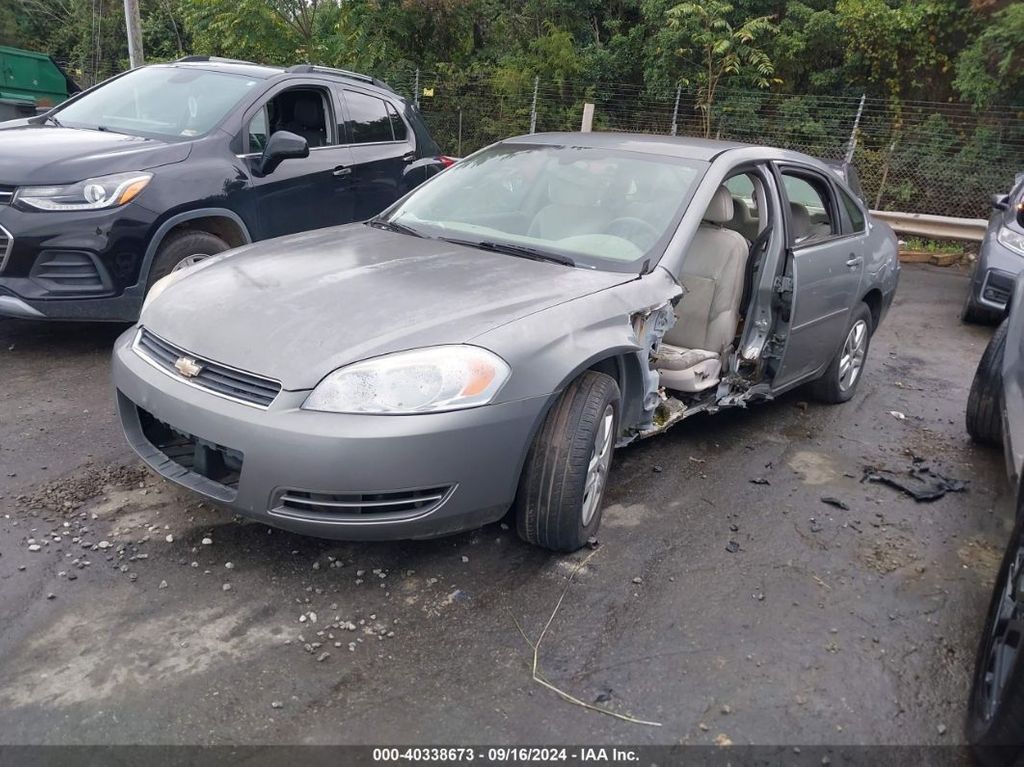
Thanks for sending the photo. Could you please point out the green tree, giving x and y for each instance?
(991, 68)
(718, 50)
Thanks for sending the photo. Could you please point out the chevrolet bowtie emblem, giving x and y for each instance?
(188, 367)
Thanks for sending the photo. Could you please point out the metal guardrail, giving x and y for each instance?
(934, 227)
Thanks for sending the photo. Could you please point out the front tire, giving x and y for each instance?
(839, 382)
(985, 402)
(972, 314)
(558, 505)
(995, 712)
(181, 250)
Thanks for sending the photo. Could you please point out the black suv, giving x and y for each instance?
(170, 163)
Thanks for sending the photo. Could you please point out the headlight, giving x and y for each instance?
(91, 194)
(421, 381)
(1011, 239)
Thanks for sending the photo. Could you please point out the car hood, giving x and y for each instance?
(38, 154)
(298, 307)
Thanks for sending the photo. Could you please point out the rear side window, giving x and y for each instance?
(397, 126)
(368, 119)
(853, 211)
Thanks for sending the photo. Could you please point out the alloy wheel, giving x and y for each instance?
(188, 261)
(597, 469)
(1002, 645)
(854, 352)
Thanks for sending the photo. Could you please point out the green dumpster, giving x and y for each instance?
(30, 82)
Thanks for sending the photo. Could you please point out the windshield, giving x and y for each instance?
(602, 209)
(161, 102)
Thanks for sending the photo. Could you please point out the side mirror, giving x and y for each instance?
(282, 145)
(1000, 201)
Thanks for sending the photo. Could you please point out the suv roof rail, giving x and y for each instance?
(316, 69)
(221, 59)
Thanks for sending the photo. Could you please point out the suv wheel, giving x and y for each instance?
(995, 713)
(558, 505)
(181, 250)
(840, 379)
(985, 402)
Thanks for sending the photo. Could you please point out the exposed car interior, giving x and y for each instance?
(302, 111)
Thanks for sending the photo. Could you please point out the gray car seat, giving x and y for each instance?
(690, 356)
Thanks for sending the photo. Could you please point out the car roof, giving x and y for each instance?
(681, 147)
(267, 71)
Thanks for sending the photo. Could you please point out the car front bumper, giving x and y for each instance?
(992, 281)
(72, 264)
(471, 458)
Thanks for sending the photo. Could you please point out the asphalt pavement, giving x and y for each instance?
(726, 601)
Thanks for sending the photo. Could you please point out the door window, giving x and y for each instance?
(812, 217)
(853, 211)
(368, 119)
(302, 111)
(397, 125)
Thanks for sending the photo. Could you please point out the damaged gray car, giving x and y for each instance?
(485, 344)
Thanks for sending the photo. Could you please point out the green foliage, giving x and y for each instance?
(991, 69)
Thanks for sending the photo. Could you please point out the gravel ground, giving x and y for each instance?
(724, 609)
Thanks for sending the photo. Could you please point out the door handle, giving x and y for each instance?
(854, 261)
(341, 171)
(409, 157)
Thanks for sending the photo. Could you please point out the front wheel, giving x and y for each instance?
(182, 250)
(558, 505)
(840, 379)
(995, 714)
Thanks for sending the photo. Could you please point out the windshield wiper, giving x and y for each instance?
(392, 226)
(520, 251)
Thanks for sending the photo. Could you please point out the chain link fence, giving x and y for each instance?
(921, 157)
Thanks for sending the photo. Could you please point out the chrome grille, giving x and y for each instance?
(213, 377)
(6, 246)
(360, 507)
(6, 194)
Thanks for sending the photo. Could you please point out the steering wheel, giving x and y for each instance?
(634, 229)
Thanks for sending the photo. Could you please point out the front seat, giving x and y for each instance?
(572, 209)
(690, 356)
(307, 119)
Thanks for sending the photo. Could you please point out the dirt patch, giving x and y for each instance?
(813, 468)
(888, 553)
(69, 493)
(982, 557)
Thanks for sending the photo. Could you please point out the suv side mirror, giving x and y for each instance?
(1000, 201)
(282, 145)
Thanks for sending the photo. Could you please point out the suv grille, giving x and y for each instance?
(6, 246)
(213, 377)
(6, 194)
(360, 507)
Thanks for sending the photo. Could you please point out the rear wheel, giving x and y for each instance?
(182, 250)
(839, 382)
(995, 714)
(985, 402)
(558, 505)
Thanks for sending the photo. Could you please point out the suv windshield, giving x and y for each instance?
(162, 102)
(601, 208)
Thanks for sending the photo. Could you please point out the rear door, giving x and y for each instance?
(382, 147)
(306, 193)
(826, 267)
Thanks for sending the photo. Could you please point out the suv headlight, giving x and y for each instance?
(1011, 239)
(91, 194)
(429, 380)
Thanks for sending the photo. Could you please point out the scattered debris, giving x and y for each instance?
(832, 501)
(638, 580)
(920, 482)
(898, 415)
(169, 538)
(760, 481)
(276, 704)
(163, 585)
(732, 547)
(207, 541)
(723, 740)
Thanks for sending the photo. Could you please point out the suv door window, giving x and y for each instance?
(812, 213)
(854, 212)
(368, 119)
(304, 111)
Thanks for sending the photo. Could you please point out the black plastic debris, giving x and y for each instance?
(919, 482)
(832, 501)
(760, 481)
(732, 547)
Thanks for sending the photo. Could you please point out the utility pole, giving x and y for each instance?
(133, 22)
